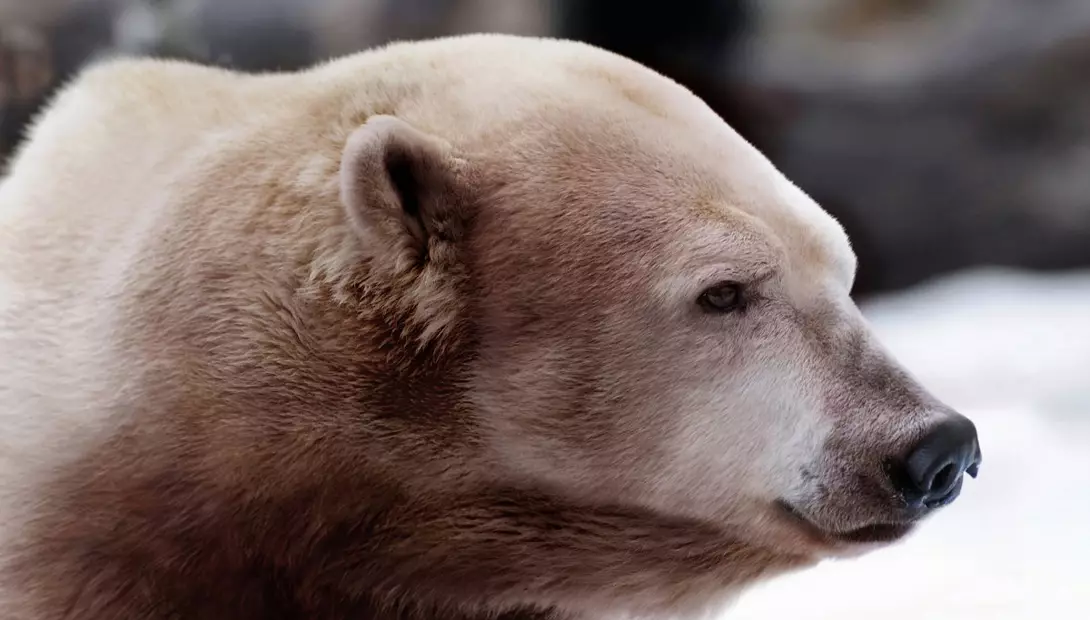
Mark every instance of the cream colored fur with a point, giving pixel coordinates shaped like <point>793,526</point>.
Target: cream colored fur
<point>156,202</point>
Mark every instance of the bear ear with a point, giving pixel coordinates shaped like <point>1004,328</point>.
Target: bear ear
<point>398,186</point>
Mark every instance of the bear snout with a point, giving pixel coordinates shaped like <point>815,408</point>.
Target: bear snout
<point>855,500</point>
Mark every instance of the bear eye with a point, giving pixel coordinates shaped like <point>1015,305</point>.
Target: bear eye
<point>723,297</point>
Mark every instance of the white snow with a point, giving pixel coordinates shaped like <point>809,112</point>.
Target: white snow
<point>1011,351</point>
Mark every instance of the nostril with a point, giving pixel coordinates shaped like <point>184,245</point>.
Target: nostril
<point>936,500</point>
<point>944,479</point>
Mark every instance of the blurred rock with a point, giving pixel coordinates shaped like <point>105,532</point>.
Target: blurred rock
<point>35,13</point>
<point>42,42</point>
<point>698,43</point>
<point>944,133</point>
<point>345,26</point>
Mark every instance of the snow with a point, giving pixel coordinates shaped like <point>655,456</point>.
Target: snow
<point>1012,351</point>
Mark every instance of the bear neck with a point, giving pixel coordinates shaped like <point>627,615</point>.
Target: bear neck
<point>342,481</point>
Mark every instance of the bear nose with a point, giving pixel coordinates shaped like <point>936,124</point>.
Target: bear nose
<point>936,463</point>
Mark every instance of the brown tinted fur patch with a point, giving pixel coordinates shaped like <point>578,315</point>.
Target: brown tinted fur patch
<point>154,540</point>
<point>711,208</point>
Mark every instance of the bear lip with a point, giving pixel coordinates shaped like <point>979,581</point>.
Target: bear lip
<point>875,533</point>
<point>872,533</point>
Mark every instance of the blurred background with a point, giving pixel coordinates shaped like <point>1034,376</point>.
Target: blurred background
<point>950,137</point>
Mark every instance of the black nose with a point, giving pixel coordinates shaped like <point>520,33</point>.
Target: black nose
<point>935,465</point>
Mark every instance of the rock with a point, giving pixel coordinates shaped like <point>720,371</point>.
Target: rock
<point>957,134</point>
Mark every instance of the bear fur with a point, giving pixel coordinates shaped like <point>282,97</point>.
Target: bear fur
<point>414,334</point>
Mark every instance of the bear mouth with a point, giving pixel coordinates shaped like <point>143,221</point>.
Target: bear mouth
<point>875,533</point>
<point>872,533</point>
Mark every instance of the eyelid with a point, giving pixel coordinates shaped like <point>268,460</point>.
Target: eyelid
<point>764,276</point>
<point>721,277</point>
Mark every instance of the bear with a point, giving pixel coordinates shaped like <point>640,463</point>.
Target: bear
<point>484,326</point>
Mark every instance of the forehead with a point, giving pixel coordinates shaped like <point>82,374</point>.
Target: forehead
<point>669,171</point>
<point>598,156</point>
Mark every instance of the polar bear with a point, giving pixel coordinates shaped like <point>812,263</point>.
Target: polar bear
<point>476,327</point>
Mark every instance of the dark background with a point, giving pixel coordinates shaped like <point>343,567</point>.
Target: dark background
<point>944,134</point>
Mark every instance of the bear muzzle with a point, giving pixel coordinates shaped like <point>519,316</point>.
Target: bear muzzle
<point>921,479</point>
